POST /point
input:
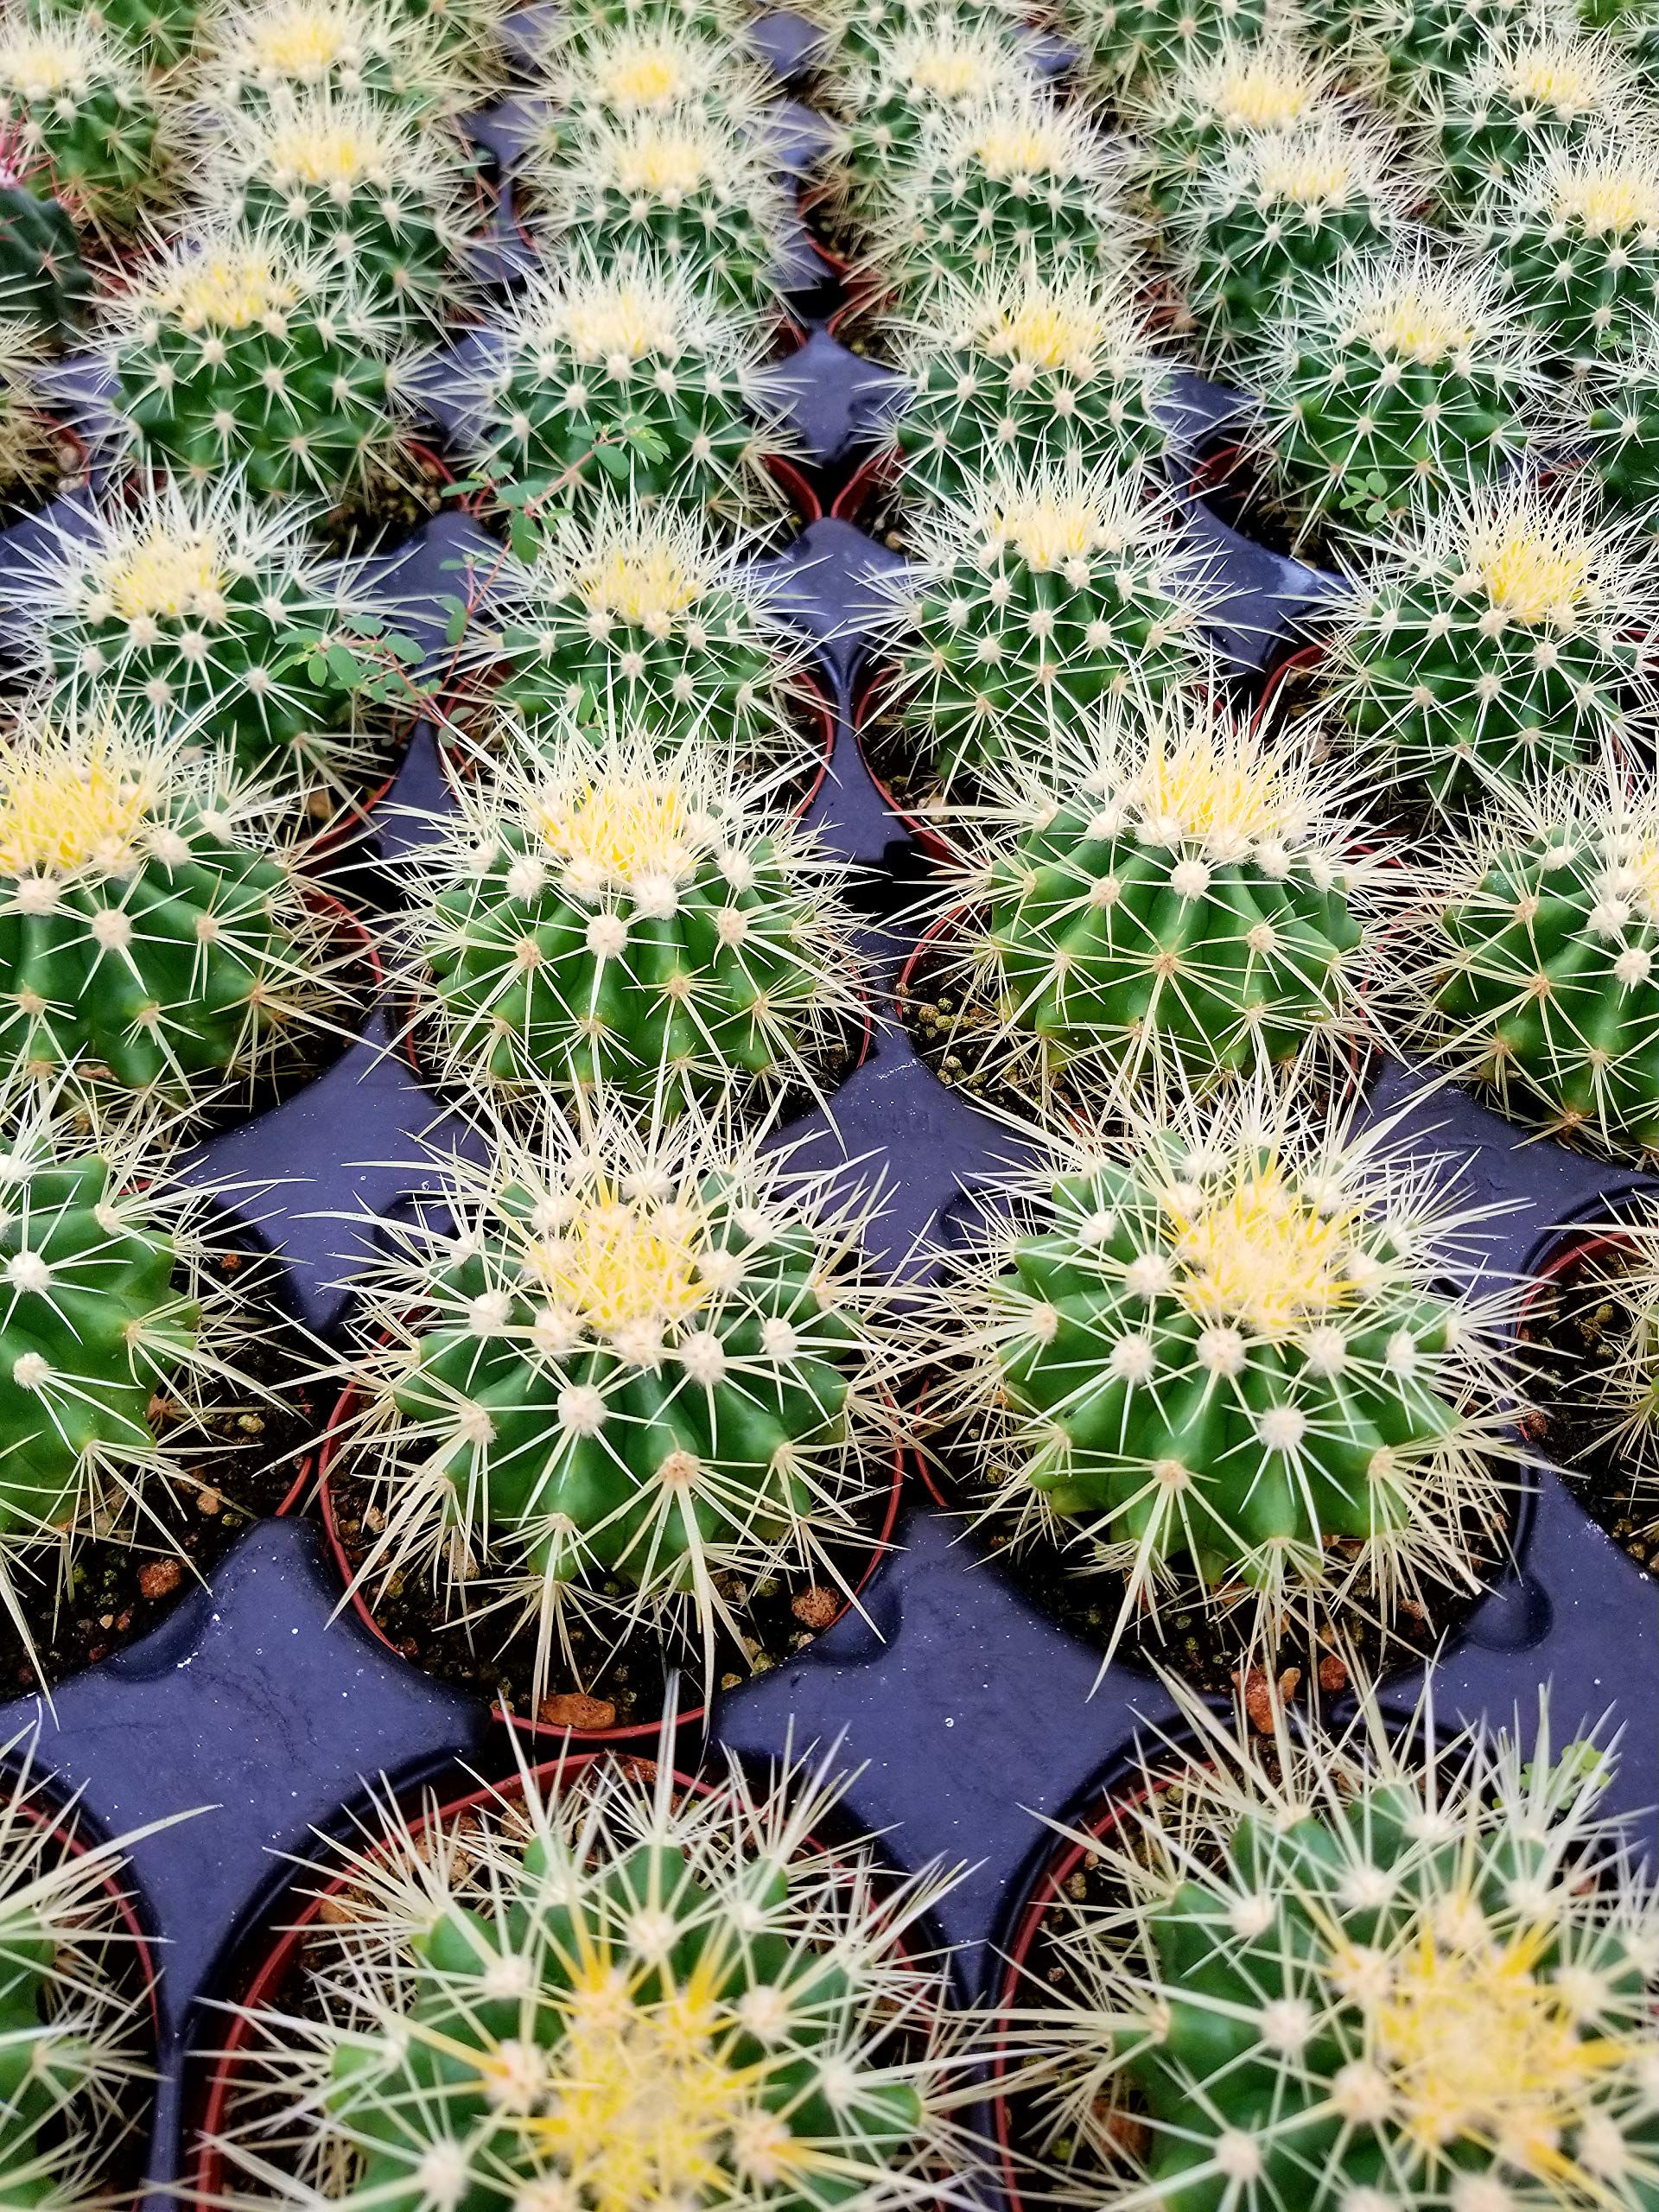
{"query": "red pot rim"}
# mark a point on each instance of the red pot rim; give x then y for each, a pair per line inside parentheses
(281, 1952)
(874, 474)
(926, 837)
(351, 927)
(1212, 471)
(1289, 664)
(319, 1469)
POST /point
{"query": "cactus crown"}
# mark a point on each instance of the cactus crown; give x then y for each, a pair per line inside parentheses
(661, 69)
(1268, 84)
(1562, 76)
(59, 59)
(636, 917)
(948, 59)
(708, 2008)
(265, 48)
(1218, 1343)
(1321, 167)
(688, 1320)
(1608, 192)
(1445, 1946)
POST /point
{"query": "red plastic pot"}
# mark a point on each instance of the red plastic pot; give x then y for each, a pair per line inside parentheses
(877, 474)
(276, 1968)
(928, 838)
(530, 1730)
(1303, 657)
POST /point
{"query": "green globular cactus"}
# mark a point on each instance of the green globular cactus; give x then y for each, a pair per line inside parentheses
(1287, 213)
(934, 68)
(1495, 647)
(231, 354)
(264, 49)
(692, 193)
(1213, 1349)
(355, 189)
(1535, 972)
(861, 36)
(643, 615)
(631, 921)
(1577, 243)
(599, 1989)
(1029, 601)
(80, 106)
(155, 943)
(1169, 895)
(73, 2018)
(1023, 374)
(659, 71)
(1132, 43)
(1400, 384)
(1548, 91)
(1011, 180)
(1386, 1969)
(159, 32)
(43, 280)
(627, 377)
(1617, 431)
(205, 617)
(1184, 124)
(649, 1360)
(1413, 49)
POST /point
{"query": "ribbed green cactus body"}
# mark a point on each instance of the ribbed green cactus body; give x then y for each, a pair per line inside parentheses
(1427, 45)
(1281, 1444)
(385, 240)
(712, 673)
(1488, 144)
(1019, 184)
(967, 224)
(100, 142)
(1452, 696)
(1365, 1882)
(746, 1430)
(92, 1328)
(1107, 948)
(1003, 649)
(686, 1004)
(710, 233)
(1131, 42)
(1363, 431)
(1586, 291)
(157, 977)
(303, 408)
(1545, 989)
(1621, 443)
(429, 2085)
(867, 35)
(160, 32)
(981, 408)
(1252, 259)
(43, 279)
(553, 404)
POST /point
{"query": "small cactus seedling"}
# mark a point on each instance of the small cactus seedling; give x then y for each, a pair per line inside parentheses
(262, 49)
(644, 1360)
(80, 106)
(628, 377)
(1577, 242)
(1169, 894)
(1498, 644)
(351, 188)
(658, 71)
(1415, 48)
(1287, 213)
(1399, 384)
(1617, 431)
(1536, 973)
(205, 616)
(73, 2013)
(43, 280)
(630, 919)
(936, 66)
(1215, 1347)
(692, 193)
(1030, 600)
(644, 614)
(608, 1990)
(1025, 374)
(1134, 43)
(1367, 1971)
(154, 940)
(1185, 123)
(1007, 180)
(159, 32)
(1548, 91)
(231, 352)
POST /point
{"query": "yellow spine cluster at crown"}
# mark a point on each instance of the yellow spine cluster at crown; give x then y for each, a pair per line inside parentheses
(607, 323)
(1256, 1252)
(1536, 576)
(228, 288)
(617, 1260)
(65, 808)
(167, 572)
(644, 589)
(619, 830)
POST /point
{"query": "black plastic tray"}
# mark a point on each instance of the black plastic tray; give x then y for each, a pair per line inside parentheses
(970, 1713)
